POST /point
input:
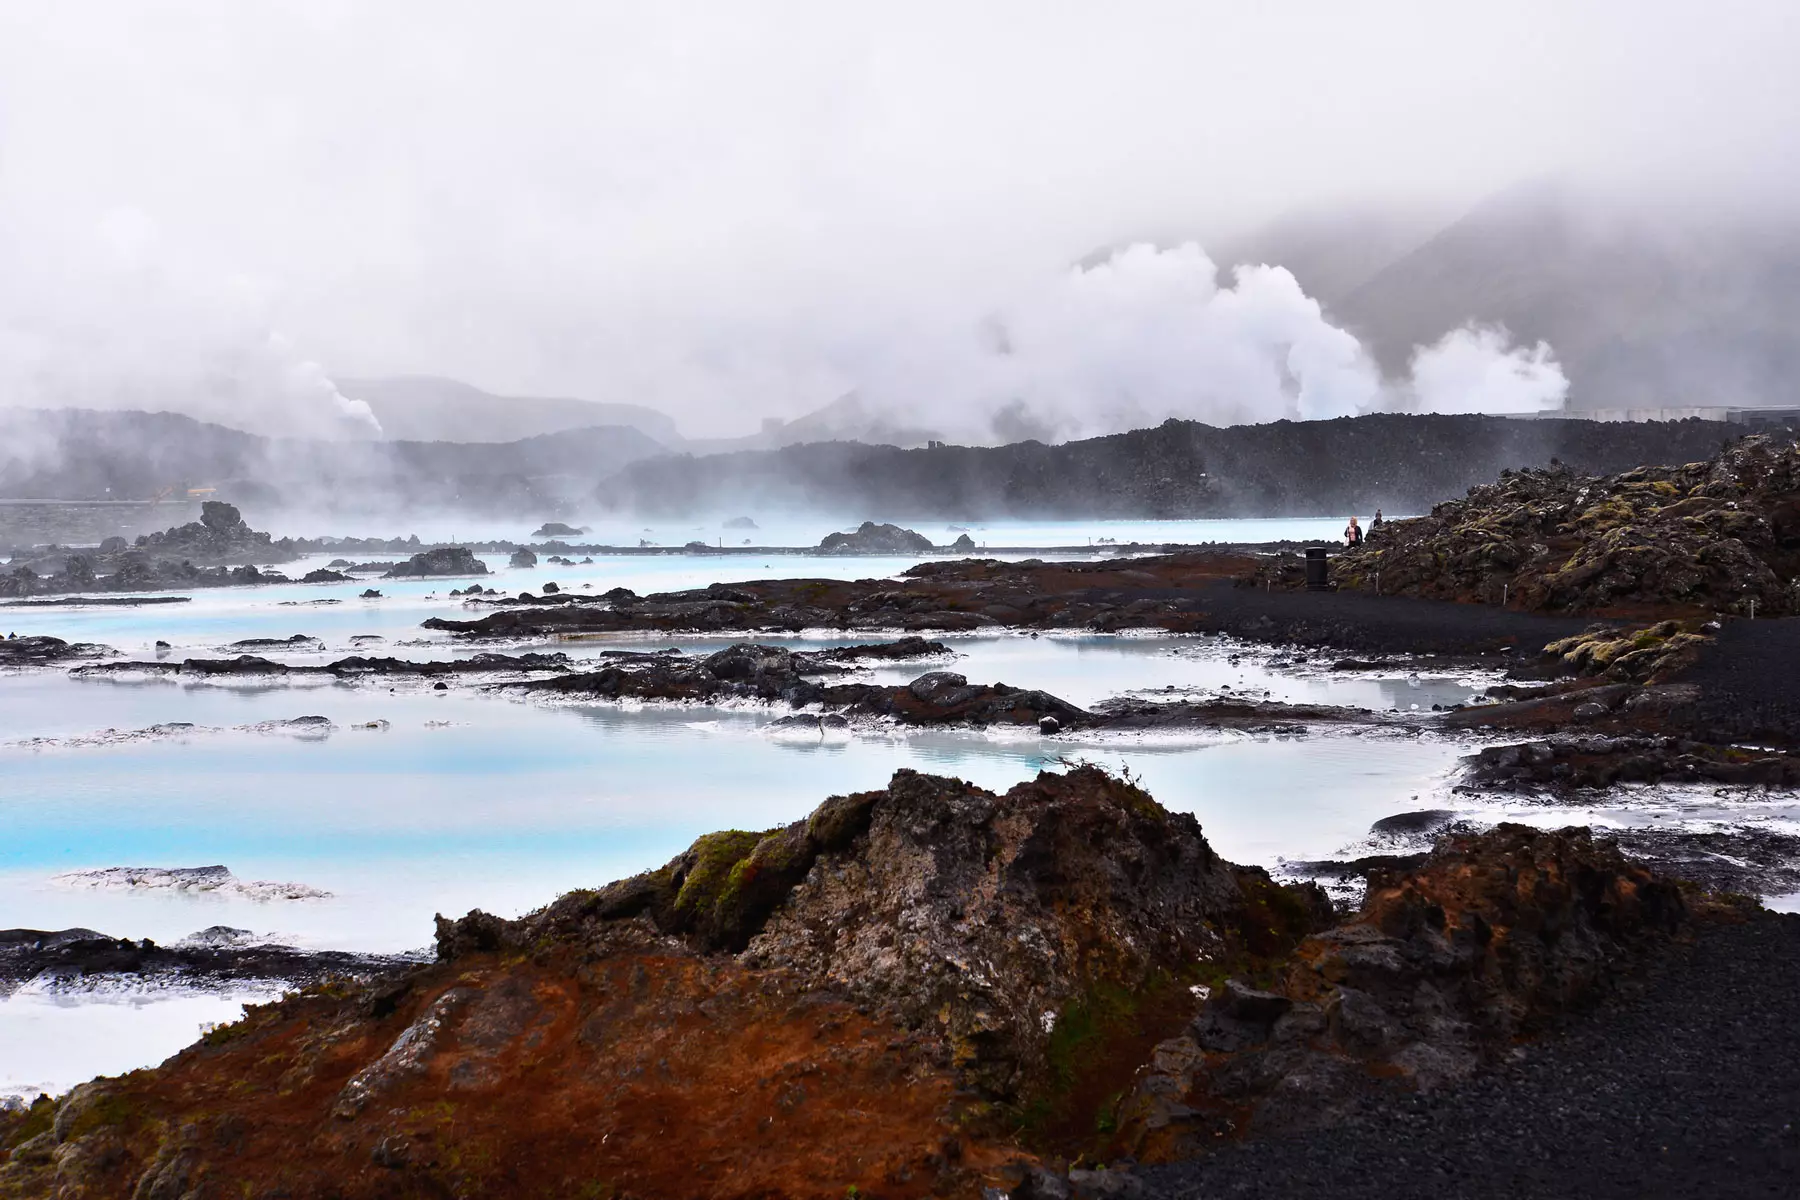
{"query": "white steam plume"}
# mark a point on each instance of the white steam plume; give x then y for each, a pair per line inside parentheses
(1150, 333)
(114, 316)
(1475, 369)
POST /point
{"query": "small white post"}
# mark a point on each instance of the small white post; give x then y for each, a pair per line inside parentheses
(1505, 589)
(1753, 608)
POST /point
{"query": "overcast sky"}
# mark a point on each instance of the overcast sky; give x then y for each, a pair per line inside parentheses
(729, 210)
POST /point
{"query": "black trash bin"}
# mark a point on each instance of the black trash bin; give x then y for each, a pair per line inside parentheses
(1318, 575)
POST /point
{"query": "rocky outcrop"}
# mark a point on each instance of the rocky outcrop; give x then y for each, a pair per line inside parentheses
(219, 538)
(48, 959)
(442, 560)
(1719, 536)
(1444, 968)
(1573, 762)
(905, 994)
(219, 550)
(871, 538)
(985, 919)
(41, 650)
(556, 529)
(522, 558)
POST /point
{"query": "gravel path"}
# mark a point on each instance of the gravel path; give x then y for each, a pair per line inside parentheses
(1368, 623)
(1748, 685)
(1689, 1089)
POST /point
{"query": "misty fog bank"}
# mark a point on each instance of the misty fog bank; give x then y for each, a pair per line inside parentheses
(984, 224)
(1403, 463)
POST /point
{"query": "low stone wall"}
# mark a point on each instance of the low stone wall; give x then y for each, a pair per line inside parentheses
(25, 523)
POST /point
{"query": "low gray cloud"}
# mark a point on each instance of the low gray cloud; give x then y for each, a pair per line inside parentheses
(732, 211)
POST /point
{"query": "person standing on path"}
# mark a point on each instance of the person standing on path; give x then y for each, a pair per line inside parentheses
(1353, 534)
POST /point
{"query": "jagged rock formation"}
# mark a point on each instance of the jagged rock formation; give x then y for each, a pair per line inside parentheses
(871, 538)
(522, 558)
(443, 560)
(198, 554)
(219, 538)
(1713, 536)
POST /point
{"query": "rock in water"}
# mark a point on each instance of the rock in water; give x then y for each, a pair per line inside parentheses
(556, 529)
(444, 560)
(964, 544)
(871, 538)
(522, 558)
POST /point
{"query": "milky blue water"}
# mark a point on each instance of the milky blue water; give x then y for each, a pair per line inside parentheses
(800, 529)
(480, 798)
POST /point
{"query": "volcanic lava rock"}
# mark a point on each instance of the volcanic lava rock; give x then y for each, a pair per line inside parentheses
(776, 674)
(890, 996)
(1715, 536)
(47, 958)
(984, 918)
(41, 650)
(219, 537)
(523, 557)
(1445, 967)
(442, 560)
(556, 529)
(964, 544)
(871, 538)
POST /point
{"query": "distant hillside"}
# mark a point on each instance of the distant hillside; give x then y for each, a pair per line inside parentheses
(1180, 469)
(423, 408)
(1644, 310)
(77, 454)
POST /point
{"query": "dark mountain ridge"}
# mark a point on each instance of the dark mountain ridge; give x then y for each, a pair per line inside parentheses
(1401, 463)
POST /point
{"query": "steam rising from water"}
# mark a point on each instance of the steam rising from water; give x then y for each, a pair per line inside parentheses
(1149, 334)
(121, 316)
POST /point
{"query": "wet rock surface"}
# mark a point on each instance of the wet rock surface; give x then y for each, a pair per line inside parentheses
(776, 674)
(38, 651)
(73, 958)
(1721, 535)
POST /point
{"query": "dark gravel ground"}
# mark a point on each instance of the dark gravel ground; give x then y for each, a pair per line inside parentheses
(1366, 623)
(1749, 684)
(1688, 1086)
